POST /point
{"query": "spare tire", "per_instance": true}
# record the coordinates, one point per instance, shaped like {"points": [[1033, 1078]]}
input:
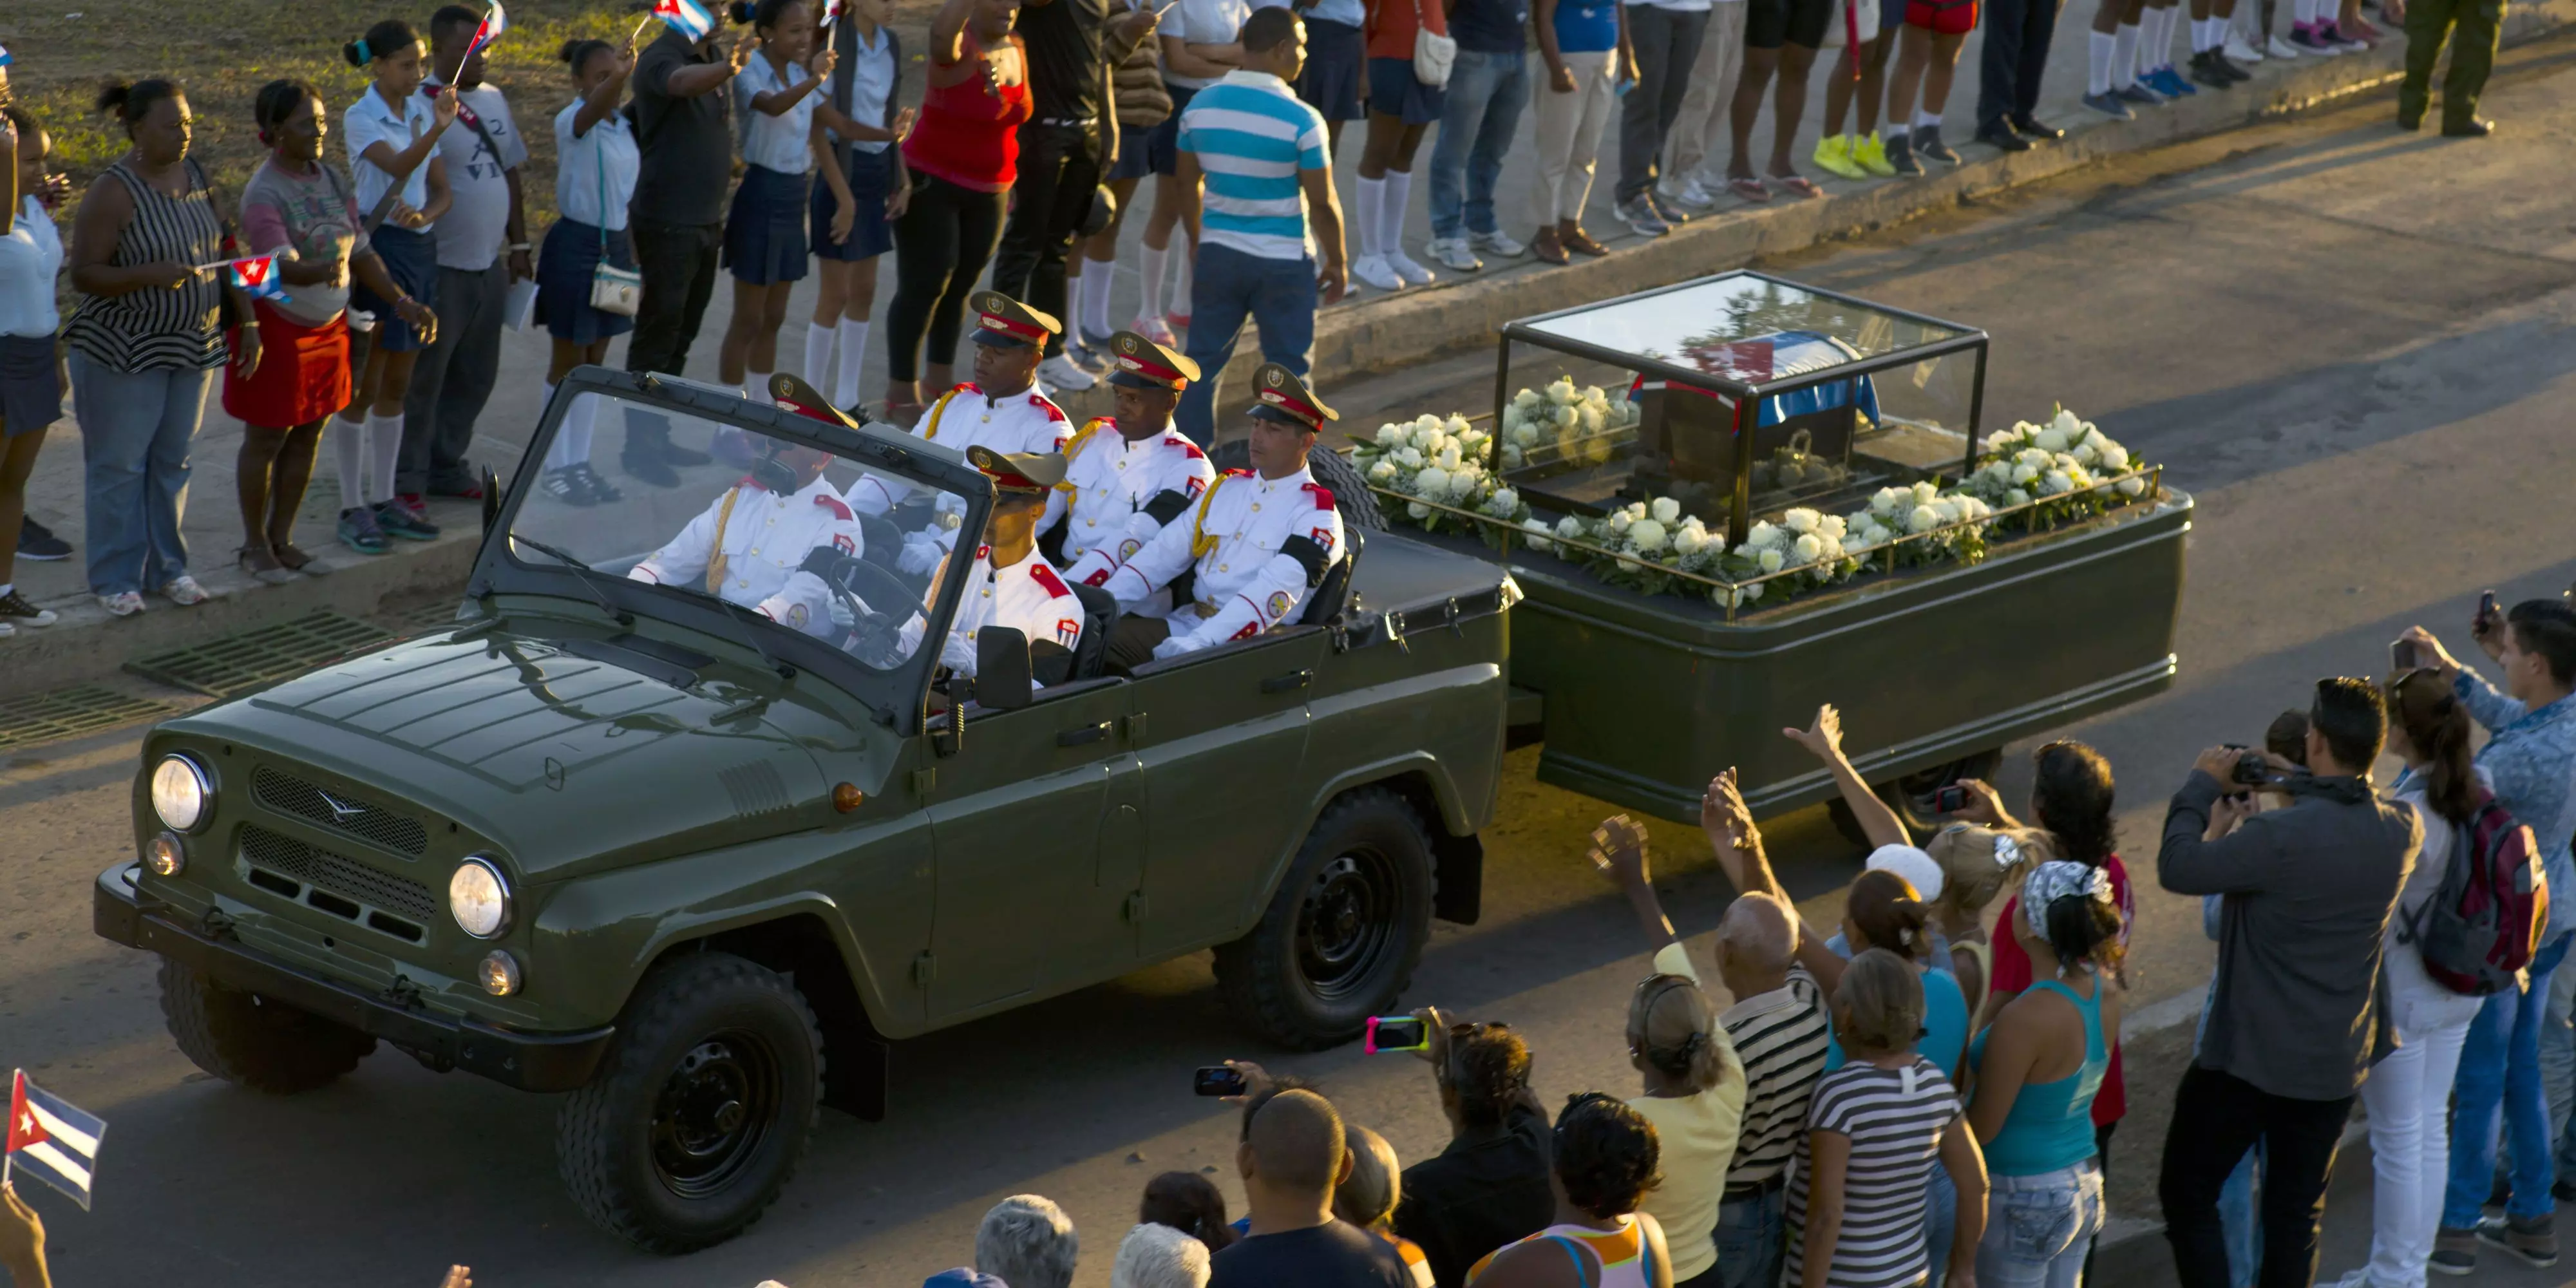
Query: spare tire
{"points": [[1332, 469]]}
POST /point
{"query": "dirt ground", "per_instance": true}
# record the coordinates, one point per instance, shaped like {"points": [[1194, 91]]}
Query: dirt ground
{"points": [[222, 51]]}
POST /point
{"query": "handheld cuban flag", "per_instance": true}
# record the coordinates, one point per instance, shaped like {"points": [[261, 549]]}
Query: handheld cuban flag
{"points": [[4, 55], [257, 277], [690, 17], [494, 23], [52, 1141]]}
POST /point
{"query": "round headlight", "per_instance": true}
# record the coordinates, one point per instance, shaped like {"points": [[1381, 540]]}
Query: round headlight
{"points": [[180, 793], [165, 856], [478, 898], [500, 973]]}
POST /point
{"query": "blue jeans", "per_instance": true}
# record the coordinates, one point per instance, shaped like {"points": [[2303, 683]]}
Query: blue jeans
{"points": [[2039, 1228], [1486, 94], [2236, 1216], [2500, 1075], [1751, 1236], [1277, 295], [135, 430]]}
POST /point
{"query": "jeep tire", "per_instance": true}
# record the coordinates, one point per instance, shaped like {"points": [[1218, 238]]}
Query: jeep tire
{"points": [[253, 1041], [701, 1109], [1343, 933]]}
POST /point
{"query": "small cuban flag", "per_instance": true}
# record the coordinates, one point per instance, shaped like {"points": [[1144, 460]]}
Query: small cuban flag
{"points": [[494, 23], [257, 277], [690, 17], [4, 55], [52, 1141]]}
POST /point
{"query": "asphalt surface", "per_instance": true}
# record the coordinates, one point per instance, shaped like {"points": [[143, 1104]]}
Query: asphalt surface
{"points": [[2354, 347]]}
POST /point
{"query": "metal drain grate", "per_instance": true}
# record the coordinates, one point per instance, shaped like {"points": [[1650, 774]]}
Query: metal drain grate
{"points": [[255, 659], [44, 717]]}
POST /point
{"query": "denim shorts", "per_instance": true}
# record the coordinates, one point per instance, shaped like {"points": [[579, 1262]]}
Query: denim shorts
{"points": [[1395, 91], [2039, 1227]]}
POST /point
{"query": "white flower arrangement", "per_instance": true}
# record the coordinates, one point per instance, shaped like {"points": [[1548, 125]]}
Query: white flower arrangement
{"points": [[2062, 466], [1559, 422]]}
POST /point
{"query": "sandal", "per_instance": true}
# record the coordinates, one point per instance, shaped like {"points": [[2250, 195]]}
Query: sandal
{"points": [[273, 573], [298, 558], [1798, 186], [1748, 189]]}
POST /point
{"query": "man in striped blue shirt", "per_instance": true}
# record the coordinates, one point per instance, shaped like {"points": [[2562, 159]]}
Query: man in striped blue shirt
{"points": [[1267, 214]]}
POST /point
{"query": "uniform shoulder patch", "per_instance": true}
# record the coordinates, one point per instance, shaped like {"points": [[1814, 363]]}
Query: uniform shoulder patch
{"points": [[1045, 576], [1323, 496], [968, 387], [834, 504], [1236, 474], [983, 552], [1053, 412], [1189, 450]]}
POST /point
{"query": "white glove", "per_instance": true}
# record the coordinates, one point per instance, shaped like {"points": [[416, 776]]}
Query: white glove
{"points": [[921, 554]]}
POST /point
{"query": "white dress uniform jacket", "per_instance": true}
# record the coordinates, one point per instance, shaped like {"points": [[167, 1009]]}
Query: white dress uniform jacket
{"points": [[1234, 536], [1027, 596], [1109, 480], [962, 418], [764, 538]]}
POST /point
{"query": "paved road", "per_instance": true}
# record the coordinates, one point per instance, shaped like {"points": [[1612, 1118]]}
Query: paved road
{"points": [[2355, 348]]}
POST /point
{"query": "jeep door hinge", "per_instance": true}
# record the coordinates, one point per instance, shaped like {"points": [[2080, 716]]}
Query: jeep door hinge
{"points": [[923, 780], [924, 967], [1136, 908], [1135, 728]]}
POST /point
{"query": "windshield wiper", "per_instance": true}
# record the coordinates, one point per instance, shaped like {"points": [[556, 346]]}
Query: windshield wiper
{"points": [[749, 637], [583, 573]]}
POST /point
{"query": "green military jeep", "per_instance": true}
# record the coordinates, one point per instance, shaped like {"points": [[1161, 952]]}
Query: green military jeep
{"points": [[698, 867]]}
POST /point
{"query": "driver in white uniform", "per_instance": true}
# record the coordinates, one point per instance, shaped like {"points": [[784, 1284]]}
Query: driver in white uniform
{"points": [[750, 545], [1011, 584]]}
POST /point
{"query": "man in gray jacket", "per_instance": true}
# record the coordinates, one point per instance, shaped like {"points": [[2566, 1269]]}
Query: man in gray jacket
{"points": [[2296, 1021]]}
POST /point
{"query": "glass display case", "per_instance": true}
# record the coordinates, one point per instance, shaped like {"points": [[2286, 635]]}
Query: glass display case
{"points": [[1737, 396]]}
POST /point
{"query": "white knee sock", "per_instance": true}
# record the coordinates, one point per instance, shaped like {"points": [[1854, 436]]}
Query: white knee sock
{"points": [[579, 420], [2304, 12], [1183, 259], [1158, 264], [1927, 120], [559, 455], [1390, 218], [760, 387], [852, 340], [1099, 278], [2098, 49], [2156, 51], [818, 356], [1371, 196], [349, 452], [384, 452], [2124, 57]]}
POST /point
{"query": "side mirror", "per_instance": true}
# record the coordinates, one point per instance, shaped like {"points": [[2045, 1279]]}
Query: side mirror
{"points": [[1002, 668], [491, 498]]}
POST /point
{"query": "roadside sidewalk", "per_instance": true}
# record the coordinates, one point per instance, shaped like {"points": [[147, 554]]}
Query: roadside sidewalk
{"points": [[1370, 332]]}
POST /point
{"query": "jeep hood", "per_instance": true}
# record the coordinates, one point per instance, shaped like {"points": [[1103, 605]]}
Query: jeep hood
{"points": [[563, 760]]}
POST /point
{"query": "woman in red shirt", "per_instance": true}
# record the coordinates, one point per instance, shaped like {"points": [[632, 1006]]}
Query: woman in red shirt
{"points": [[963, 154], [1399, 106]]}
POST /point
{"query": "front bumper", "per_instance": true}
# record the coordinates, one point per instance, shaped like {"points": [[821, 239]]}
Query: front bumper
{"points": [[528, 1061]]}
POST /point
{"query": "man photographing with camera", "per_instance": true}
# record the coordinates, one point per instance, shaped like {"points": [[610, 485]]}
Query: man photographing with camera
{"points": [[2529, 762], [2293, 1024]]}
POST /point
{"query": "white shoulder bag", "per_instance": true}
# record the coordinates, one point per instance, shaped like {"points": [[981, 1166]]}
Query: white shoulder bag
{"points": [[1433, 53], [612, 289]]}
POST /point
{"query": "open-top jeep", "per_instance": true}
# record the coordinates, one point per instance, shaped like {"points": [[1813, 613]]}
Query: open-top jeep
{"points": [[698, 866]]}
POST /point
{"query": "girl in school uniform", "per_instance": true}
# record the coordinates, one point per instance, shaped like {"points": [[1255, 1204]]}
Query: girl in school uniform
{"points": [[392, 134], [764, 238], [595, 168], [864, 190]]}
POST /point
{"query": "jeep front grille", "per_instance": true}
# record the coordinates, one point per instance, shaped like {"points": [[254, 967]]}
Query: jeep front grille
{"points": [[340, 886], [339, 811]]}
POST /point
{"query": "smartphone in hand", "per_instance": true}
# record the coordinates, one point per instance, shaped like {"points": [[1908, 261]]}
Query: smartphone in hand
{"points": [[1217, 1080], [2488, 615], [1950, 799], [2405, 655], [1396, 1033]]}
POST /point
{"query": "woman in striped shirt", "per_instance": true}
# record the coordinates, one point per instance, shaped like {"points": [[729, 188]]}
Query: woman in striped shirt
{"points": [[1606, 1160], [145, 344], [1874, 1130]]}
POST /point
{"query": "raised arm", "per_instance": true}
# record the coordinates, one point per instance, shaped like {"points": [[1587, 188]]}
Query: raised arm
{"points": [[602, 99], [1738, 843], [1824, 740], [2212, 844], [948, 33], [398, 163], [777, 102]]}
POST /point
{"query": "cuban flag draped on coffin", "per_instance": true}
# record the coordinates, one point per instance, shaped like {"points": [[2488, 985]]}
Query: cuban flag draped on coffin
{"points": [[51, 1140]]}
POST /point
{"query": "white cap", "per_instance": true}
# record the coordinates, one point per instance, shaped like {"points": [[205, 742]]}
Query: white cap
{"points": [[1919, 869]]}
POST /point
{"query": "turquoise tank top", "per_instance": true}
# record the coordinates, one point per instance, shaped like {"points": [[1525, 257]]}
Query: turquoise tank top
{"points": [[1945, 1026], [2050, 1127]]}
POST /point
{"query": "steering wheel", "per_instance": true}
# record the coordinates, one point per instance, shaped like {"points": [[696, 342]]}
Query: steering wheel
{"points": [[874, 634], [879, 586]]}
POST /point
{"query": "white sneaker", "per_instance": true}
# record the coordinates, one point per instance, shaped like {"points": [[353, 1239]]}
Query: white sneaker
{"points": [[184, 591], [1060, 372], [1453, 253], [1689, 194], [2240, 52], [1413, 274], [7, 630], [1373, 270], [122, 604], [1497, 243], [2279, 48]]}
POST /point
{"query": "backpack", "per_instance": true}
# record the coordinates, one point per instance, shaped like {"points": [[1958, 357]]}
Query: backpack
{"points": [[2481, 927]]}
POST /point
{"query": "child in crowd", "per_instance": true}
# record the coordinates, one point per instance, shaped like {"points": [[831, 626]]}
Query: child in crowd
{"points": [[863, 192], [595, 167], [764, 237]]}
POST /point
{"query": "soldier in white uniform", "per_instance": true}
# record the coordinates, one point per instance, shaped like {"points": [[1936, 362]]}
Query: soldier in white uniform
{"points": [[1127, 482], [1012, 584], [1255, 544], [750, 545], [1001, 409]]}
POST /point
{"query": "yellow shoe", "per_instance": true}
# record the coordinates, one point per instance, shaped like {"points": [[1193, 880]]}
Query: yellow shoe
{"points": [[1834, 156], [1872, 156]]}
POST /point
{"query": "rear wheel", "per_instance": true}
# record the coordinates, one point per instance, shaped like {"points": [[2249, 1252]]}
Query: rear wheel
{"points": [[248, 1039], [1341, 937], [1914, 796], [700, 1112]]}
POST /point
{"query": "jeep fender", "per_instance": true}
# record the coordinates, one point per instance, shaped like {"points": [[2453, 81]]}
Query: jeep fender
{"points": [[1420, 778]]}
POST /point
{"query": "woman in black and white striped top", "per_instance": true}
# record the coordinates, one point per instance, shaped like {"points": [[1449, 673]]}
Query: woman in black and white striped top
{"points": [[1874, 1132], [145, 343]]}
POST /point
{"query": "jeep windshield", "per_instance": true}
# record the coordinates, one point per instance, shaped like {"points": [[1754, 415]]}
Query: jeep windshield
{"points": [[812, 545]]}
